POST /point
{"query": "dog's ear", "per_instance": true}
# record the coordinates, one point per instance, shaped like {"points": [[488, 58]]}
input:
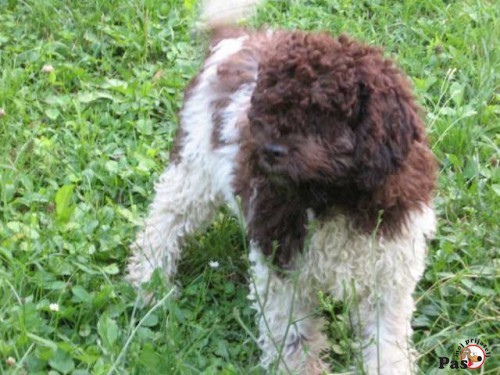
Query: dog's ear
{"points": [[387, 123]]}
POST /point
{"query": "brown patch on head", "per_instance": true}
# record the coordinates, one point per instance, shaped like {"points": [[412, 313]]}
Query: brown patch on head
{"points": [[333, 126]]}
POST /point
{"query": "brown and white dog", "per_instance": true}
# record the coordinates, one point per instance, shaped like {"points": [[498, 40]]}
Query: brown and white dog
{"points": [[320, 138]]}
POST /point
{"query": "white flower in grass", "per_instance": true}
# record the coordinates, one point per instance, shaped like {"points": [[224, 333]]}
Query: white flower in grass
{"points": [[2, 112], [213, 264], [47, 68], [54, 307], [10, 361]]}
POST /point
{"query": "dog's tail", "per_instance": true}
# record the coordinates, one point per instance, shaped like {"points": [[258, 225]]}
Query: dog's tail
{"points": [[219, 13]]}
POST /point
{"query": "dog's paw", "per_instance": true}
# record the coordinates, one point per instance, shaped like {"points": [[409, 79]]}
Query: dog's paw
{"points": [[139, 271], [152, 288]]}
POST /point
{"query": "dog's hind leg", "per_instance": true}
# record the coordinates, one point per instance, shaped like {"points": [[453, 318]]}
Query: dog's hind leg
{"points": [[192, 187], [184, 201], [290, 336]]}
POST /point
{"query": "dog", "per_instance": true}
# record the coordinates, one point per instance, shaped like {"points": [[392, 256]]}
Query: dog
{"points": [[318, 145]]}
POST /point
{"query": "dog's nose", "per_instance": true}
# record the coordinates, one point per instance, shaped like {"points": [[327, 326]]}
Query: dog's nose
{"points": [[275, 150]]}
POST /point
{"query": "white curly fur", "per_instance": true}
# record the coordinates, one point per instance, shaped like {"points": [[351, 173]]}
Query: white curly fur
{"points": [[380, 275]]}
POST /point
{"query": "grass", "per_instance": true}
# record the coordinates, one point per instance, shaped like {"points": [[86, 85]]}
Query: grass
{"points": [[81, 145]]}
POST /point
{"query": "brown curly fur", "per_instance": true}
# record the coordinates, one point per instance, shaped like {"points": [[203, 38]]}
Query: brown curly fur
{"points": [[333, 127]]}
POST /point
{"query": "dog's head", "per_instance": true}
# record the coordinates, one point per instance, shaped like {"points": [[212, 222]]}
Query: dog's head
{"points": [[331, 112]]}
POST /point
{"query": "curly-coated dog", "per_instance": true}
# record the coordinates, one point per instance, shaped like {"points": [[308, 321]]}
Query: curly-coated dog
{"points": [[321, 140]]}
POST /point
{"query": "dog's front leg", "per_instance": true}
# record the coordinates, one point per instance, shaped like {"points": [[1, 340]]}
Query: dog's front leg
{"points": [[387, 306], [387, 336], [183, 202], [290, 336]]}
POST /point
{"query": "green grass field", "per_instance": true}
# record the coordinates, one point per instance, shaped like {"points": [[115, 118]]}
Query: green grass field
{"points": [[89, 93]]}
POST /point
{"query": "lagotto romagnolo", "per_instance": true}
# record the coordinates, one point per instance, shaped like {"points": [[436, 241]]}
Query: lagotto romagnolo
{"points": [[317, 143]]}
